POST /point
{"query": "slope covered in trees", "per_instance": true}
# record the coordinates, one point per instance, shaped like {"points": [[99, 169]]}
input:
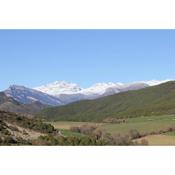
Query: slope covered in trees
{"points": [[156, 100]]}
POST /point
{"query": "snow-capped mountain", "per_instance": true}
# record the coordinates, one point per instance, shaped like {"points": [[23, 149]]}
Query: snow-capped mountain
{"points": [[106, 89], [27, 96], [70, 92], [61, 93], [100, 88], [59, 87], [156, 82]]}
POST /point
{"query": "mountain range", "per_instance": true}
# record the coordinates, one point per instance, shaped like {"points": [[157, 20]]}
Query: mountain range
{"points": [[61, 92], [29, 101], [70, 92], [10, 105], [153, 100]]}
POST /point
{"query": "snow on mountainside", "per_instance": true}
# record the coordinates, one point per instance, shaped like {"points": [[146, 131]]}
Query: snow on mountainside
{"points": [[156, 82], [59, 87], [100, 88], [60, 93], [70, 92], [26, 96], [106, 89]]}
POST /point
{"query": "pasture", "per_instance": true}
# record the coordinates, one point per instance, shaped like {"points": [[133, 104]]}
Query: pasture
{"points": [[142, 124]]}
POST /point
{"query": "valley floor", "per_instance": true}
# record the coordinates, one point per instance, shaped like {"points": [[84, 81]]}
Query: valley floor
{"points": [[153, 127]]}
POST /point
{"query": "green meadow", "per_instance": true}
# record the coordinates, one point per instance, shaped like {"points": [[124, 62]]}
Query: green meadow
{"points": [[142, 124]]}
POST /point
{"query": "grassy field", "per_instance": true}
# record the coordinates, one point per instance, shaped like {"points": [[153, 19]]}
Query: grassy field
{"points": [[68, 133], [142, 124]]}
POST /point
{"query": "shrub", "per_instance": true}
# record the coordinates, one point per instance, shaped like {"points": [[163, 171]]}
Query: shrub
{"points": [[46, 140], [98, 134], [87, 129], [114, 120], [122, 140], [75, 129], [134, 134], [84, 129]]}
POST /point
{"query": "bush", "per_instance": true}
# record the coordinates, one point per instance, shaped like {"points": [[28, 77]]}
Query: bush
{"points": [[75, 129], [87, 129], [114, 120], [122, 140], [46, 140], [84, 129], [134, 134]]}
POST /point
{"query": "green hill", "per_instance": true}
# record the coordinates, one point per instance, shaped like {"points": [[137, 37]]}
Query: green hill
{"points": [[156, 100]]}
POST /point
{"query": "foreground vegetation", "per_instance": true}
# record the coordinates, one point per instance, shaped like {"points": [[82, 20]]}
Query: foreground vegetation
{"points": [[19, 130], [145, 129], [153, 130]]}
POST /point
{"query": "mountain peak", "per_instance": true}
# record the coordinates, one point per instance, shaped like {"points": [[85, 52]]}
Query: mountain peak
{"points": [[62, 92], [26, 95], [17, 87], [59, 87]]}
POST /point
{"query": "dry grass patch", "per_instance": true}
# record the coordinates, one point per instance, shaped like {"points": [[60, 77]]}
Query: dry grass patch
{"points": [[159, 140]]}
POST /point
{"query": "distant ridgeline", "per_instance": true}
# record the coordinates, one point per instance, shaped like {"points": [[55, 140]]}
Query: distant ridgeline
{"points": [[11, 105], [155, 100]]}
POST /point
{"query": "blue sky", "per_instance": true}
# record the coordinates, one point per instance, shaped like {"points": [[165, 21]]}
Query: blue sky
{"points": [[37, 57]]}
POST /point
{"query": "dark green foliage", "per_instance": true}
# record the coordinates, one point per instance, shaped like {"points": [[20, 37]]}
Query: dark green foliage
{"points": [[37, 126], [81, 141], [156, 100], [65, 141]]}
